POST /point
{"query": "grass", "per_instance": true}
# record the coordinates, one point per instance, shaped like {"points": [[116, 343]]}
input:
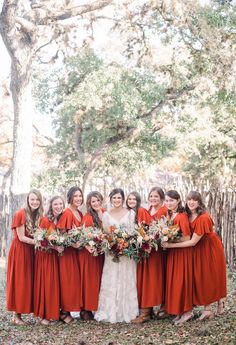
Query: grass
{"points": [[218, 331]]}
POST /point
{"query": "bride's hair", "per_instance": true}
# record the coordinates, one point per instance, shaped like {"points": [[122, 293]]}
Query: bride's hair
{"points": [[117, 191]]}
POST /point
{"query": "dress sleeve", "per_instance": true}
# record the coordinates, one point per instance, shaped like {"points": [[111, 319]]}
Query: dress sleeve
{"points": [[144, 216], [66, 221], [204, 224], [44, 223], [183, 222], [87, 220], [105, 221], [19, 219]]}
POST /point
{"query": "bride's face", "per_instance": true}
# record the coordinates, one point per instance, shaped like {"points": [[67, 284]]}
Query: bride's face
{"points": [[117, 200]]}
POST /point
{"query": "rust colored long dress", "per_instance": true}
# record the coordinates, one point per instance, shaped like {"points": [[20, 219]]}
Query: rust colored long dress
{"points": [[69, 272], [179, 273], [46, 280], [150, 285], [20, 270], [209, 266], [91, 273]]}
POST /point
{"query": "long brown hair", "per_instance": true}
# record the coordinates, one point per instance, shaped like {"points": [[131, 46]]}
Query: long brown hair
{"points": [[91, 211], [159, 191], [138, 199], [197, 197], [50, 214], [33, 216]]}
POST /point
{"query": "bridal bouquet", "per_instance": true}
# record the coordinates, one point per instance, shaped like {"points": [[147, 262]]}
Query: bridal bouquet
{"points": [[58, 239], [168, 232], [118, 242]]}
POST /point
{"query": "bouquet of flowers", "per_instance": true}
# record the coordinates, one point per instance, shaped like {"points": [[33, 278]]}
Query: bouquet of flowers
{"points": [[41, 239], [118, 242], [168, 232], [73, 236], [92, 239]]}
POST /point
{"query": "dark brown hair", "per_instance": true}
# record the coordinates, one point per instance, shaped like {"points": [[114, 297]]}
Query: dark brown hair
{"points": [[117, 191], [159, 191], [138, 199], [91, 211], [71, 192], [173, 194], [197, 197]]}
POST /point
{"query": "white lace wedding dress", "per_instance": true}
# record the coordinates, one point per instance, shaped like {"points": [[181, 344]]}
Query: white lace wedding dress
{"points": [[118, 300]]}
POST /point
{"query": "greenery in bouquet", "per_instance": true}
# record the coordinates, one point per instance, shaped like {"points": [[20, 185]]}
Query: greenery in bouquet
{"points": [[119, 242], [41, 239], [168, 231], [93, 239]]}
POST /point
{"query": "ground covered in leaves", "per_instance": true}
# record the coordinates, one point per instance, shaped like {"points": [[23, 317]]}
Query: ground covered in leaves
{"points": [[220, 330]]}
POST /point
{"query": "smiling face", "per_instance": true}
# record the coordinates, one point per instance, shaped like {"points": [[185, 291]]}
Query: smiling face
{"points": [[192, 205], [96, 203], [132, 201], [77, 199], [117, 200], [171, 204], [154, 199], [33, 201], [57, 207]]}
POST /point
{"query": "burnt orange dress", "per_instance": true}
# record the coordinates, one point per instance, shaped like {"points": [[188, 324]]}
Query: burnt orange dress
{"points": [[150, 285], [91, 273], [20, 270], [69, 272], [179, 273], [209, 266], [46, 280]]}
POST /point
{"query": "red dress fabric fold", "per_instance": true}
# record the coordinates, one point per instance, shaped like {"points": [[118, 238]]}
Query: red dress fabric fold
{"points": [[150, 286], [209, 266], [179, 273], [20, 270], [46, 280], [91, 273], [69, 271]]}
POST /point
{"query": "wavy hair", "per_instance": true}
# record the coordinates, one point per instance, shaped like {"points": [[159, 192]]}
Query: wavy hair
{"points": [[33, 216], [194, 195], [50, 214], [138, 199], [173, 194], [91, 211]]}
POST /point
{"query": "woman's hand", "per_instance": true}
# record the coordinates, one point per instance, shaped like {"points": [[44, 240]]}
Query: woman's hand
{"points": [[76, 245], [166, 245], [59, 249], [89, 249]]}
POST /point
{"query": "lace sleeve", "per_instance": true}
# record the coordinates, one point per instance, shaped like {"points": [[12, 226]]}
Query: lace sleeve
{"points": [[105, 221]]}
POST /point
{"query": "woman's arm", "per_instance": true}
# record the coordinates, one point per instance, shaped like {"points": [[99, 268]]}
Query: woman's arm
{"points": [[21, 235], [187, 243]]}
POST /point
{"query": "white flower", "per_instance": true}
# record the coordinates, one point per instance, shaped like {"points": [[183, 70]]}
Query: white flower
{"points": [[164, 238], [140, 239], [91, 243]]}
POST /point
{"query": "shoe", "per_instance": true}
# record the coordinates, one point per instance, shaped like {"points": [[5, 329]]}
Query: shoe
{"points": [[86, 315], [145, 315], [221, 306], [18, 322], [176, 318], [45, 322], [184, 318], [206, 314], [66, 318], [161, 314]]}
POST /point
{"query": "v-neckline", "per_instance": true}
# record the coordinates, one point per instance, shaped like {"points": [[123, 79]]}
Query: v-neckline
{"points": [[118, 221]]}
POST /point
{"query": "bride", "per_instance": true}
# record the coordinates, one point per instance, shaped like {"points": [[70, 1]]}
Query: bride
{"points": [[118, 294]]}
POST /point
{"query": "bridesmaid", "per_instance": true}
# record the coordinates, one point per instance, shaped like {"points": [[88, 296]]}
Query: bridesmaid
{"points": [[209, 267], [46, 275], [20, 270], [91, 266], [157, 210], [69, 272], [149, 274], [179, 273]]}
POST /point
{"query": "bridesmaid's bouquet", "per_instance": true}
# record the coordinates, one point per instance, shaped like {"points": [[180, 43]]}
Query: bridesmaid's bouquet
{"points": [[41, 239], [167, 230], [45, 239], [93, 239]]}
